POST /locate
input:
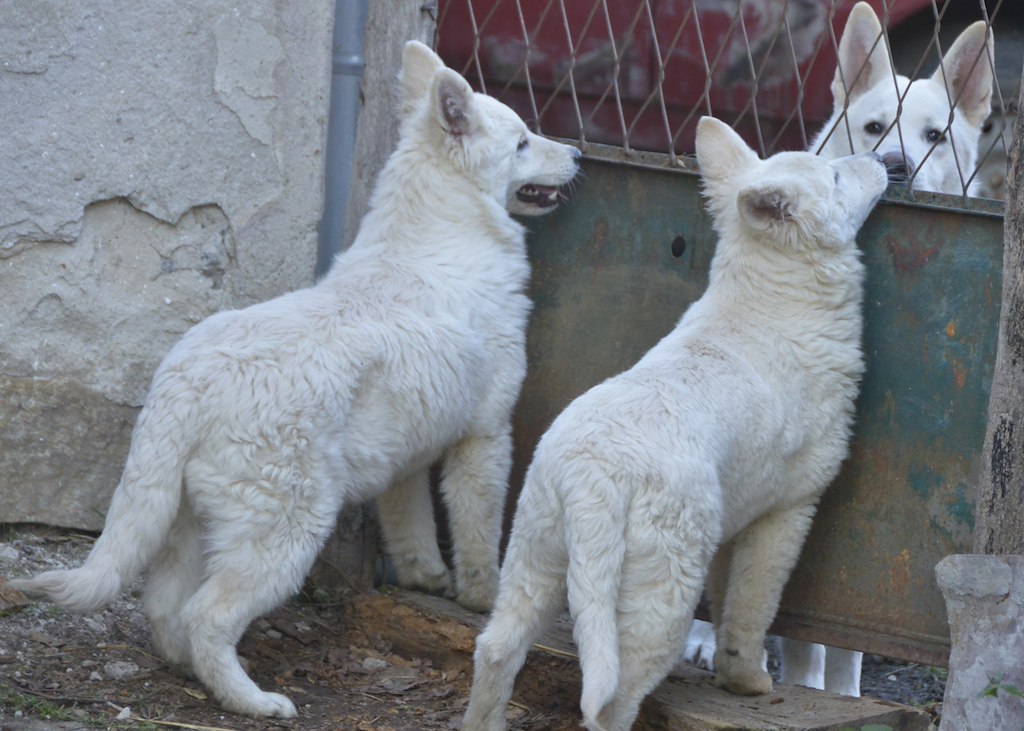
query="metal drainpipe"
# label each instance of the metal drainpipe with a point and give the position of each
(346, 73)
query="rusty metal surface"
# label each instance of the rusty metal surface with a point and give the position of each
(607, 287)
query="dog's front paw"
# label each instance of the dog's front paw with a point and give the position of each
(756, 682)
(739, 675)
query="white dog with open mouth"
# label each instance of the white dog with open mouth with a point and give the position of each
(261, 423)
(717, 443)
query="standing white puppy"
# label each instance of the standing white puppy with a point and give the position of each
(718, 443)
(261, 423)
(927, 130)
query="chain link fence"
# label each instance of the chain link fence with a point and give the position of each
(638, 74)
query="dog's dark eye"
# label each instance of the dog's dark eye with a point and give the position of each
(873, 128)
(523, 144)
(934, 135)
(987, 127)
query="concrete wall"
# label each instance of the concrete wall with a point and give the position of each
(158, 162)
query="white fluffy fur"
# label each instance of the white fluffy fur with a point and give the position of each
(867, 90)
(261, 423)
(706, 460)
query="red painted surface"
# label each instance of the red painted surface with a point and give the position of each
(677, 60)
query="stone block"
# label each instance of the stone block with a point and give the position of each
(63, 447)
(985, 603)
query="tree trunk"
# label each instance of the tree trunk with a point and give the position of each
(999, 511)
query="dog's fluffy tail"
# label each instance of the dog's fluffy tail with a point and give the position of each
(141, 512)
(595, 520)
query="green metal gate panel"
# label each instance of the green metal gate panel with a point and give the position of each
(607, 286)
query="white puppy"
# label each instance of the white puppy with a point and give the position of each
(910, 124)
(261, 423)
(923, 141)
(930, 127)
(717, 443)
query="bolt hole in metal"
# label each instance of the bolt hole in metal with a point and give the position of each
(678, 246)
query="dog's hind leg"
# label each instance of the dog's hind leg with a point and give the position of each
(474, 484)
(763, 556)
(842, 671)
(253, 566)
(531, 596)
(174, 576)
(803, 663)
(410, 534)
(659, 590)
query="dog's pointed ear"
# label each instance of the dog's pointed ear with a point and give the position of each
(419, 64)
(453, 103)
(765, 206)
(966, 71)
(721, 153)
(863, 56)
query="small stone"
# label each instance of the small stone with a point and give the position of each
(95, 676)
(88, 663)
(9, 552)
(124, 714)
(273, 634)
(119, 670)
(373, 664)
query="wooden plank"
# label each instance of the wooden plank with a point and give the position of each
(428, 626)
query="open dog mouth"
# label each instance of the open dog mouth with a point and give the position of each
(542, 196)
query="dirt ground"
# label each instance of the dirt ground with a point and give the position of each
(60, 670)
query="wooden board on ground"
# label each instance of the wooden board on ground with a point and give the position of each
(686, 701)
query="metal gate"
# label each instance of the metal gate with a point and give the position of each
(614, 271)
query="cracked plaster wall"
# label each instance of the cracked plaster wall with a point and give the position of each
(158, 162)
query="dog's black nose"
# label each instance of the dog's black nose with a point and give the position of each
(577, 153)
(897, 166)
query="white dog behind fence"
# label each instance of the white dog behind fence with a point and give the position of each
(261, 423)
(910, 124)
(717, 443)
(931, 126)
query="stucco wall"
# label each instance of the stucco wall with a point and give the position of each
(158, 162)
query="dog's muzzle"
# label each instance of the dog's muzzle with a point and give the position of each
(898, 167)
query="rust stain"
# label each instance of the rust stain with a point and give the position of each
(899, 573)
(959, 374)
(912, 257)
(951, 329)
